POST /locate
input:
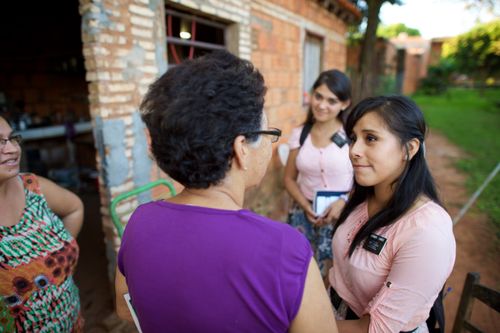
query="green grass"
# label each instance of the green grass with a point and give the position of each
(472, 121)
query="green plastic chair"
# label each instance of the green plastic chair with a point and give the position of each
(115, 217)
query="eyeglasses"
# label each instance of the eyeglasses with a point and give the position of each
(274, 132)
(16, 140)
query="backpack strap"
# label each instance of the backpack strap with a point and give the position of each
(436, 315)
(305, 132)
(339, 139)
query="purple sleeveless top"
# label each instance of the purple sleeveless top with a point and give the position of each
(196, 269)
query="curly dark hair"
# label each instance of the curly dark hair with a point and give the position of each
(196, 110)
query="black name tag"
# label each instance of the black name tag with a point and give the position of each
(374, 243)
(339, 139)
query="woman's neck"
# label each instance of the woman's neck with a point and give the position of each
(12, 201)
(212, 197)
(328, 127)
(5, 186)
(379, 199)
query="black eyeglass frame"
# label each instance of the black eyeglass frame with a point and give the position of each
(275, 132)
(13, 139)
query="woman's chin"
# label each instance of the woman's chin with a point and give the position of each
(7, 173)
(363, 182)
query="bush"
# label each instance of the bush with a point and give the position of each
(386, 85)
(438, 78)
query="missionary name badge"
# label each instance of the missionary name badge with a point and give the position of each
(375, 243)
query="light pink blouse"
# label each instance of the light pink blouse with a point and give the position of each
(327, 168)
(397, 287)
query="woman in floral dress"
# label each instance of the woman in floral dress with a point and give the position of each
(39, 222)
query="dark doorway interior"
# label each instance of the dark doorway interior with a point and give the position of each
(44, 95)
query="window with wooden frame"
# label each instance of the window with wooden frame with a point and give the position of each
(191, 35)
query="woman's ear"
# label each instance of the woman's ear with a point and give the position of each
(148, 136)
(346, 104)
(148, 140)
(241, 152)
(412, 147)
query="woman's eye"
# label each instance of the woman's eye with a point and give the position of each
(371, 138)
(332, 101)
(352, 139)
(318, 96)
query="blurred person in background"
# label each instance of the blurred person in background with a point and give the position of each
(319, 161)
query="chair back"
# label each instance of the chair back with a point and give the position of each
(119, 215)
(474, 290)
(283, 151)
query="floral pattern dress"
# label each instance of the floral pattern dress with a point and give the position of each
(38, 257)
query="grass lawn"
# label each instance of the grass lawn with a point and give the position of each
(472, 121)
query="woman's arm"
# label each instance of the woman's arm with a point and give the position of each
(121, 289)
(290, 182)
(64, 204)
(315, 312)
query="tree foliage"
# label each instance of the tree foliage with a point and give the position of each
(476, 52)
(438, 78)
(393, 30)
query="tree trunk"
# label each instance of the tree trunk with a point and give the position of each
(366, 86)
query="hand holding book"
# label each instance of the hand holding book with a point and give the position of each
(327, 205)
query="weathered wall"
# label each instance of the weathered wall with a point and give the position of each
(124, 50)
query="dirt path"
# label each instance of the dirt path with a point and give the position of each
(478, 249)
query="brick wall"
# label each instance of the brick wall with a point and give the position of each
(414, 63)
(46, 96)
(124, 50)
(435, 52)
(278, 32)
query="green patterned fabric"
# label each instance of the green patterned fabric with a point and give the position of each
(38, 257)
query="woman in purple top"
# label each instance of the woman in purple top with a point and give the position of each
(199, 262)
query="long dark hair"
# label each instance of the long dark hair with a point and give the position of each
(405, 120)
(339, 84)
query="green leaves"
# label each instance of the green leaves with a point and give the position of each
(393, 30)
(476, 52)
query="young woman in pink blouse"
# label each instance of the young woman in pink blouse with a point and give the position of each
(320, 161)
(393, 244)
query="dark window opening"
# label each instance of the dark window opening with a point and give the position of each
(191, 35)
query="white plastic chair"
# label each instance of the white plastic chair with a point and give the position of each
(283, 151)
